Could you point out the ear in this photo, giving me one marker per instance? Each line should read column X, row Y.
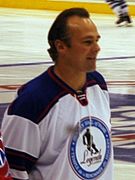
column 60, row 45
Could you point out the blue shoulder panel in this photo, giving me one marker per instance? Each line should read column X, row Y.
column 96, row 78
column 36, row 97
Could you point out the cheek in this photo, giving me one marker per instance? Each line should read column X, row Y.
column 82, row 51
column 79, row 52
column 86, row 49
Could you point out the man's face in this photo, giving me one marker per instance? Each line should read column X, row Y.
column 82, row 54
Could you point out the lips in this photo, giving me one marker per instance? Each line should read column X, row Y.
column 91, row 58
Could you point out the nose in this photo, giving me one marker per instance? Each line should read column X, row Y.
column 96, row 47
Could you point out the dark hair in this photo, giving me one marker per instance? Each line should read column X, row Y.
column 59, row 29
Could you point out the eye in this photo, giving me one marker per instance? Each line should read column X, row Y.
column 88, row 42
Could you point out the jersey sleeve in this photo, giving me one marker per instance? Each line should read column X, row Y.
column 22, row 141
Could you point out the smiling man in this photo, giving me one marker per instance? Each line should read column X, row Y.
column 44, row 127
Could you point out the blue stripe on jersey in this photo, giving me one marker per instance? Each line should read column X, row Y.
column 20, row 160
column 39, row 95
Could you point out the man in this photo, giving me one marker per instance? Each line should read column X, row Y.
column 120, row 8
column 43, row 128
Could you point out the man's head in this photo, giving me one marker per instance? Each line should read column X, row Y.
column 73, row 40
column 60, row 29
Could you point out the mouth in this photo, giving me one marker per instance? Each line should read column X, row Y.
column 91, row 58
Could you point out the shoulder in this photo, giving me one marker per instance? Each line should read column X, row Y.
column 36, row 98
column 96, row 77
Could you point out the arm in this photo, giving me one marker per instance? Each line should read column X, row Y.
column 20, row 135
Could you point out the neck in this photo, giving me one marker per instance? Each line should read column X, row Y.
column 75, row 80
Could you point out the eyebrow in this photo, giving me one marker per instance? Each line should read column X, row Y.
column 91, row 37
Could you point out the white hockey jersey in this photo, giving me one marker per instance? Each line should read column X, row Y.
column 52, row 132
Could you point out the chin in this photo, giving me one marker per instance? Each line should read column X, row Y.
column 91, row 69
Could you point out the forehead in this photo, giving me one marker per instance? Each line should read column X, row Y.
column 84, row 26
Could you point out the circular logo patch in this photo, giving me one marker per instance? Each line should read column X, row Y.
column 90, row 148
